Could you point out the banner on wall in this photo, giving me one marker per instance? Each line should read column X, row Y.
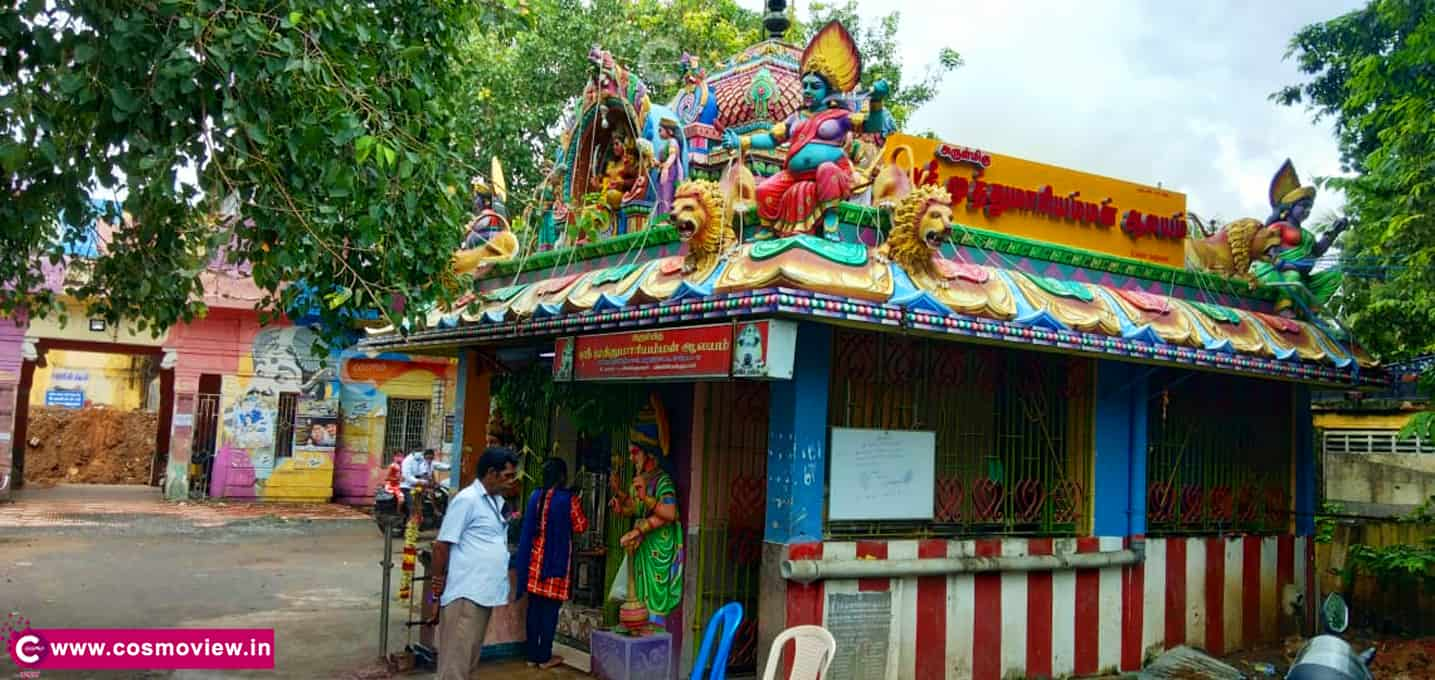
column 1049, row 203
column 763, row 349
column 316, row 432
column 384, row 370
column 65, row 398
column 749, row 349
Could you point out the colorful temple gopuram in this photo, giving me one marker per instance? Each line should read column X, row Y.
column 979, row 416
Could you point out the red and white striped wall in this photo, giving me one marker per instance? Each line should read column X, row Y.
column 1216, row 593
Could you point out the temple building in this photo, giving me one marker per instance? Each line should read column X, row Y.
column 978, row 416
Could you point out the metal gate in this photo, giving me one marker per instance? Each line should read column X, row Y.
column 201, row 457
column 1218, row 459
column 404, row 424
column 284, row 428
column 727, row 553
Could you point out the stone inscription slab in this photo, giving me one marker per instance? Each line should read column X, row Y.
column 862, row 625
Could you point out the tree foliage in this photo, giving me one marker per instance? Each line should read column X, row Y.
column 343, row 134
column 331, row 127
column 1372, row 73
column 530, row 78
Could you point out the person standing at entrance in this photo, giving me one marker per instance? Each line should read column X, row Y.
column 472, row 546
column 552, row 516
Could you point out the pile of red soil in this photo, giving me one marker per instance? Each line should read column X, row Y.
column 1397, row 659
column 93, row 445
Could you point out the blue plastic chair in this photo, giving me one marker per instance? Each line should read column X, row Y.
column 727, row 619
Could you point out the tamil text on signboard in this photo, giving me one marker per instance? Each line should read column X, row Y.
column 1048, row 203
column 758, row 349
column 65, row 398
column 693, row 352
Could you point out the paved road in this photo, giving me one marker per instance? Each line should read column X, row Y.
column 116, row 556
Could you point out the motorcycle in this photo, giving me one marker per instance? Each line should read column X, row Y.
column 1328, row 657
column 390, row 512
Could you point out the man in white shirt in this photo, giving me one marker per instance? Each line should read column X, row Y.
column 472, row 546
column 417, row 469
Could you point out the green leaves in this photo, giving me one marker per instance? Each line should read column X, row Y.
column 345, row 133
column 339, row 163
column 1368, row 73
column 363, row 146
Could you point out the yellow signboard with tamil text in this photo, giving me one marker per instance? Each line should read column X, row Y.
column 1048, row 203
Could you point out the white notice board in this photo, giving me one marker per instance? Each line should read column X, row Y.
column 881, row 474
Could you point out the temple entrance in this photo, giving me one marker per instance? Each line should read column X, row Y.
column 92, row 413
column 726, row 556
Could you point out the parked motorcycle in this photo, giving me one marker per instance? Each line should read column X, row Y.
column 1328, row 657
column 390, row 513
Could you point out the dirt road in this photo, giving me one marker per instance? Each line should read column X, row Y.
column 97, row 556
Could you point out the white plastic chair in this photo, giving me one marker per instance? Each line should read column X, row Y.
column 812, row 651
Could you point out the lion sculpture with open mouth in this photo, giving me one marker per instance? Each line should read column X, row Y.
column 921, row 225
column 701, row 218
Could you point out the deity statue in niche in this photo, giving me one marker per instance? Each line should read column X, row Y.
column 619, row 173
column 654, row 545
column 818, row 172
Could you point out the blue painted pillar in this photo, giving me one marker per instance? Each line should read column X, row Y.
column 797, row 441
column 455, row 454
column 1305, row 491
column 1119, row 470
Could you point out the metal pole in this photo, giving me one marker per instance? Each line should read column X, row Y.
column 388, row 565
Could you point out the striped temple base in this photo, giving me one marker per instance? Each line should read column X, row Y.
column 1216, row 593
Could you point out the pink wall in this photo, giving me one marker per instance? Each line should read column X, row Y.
column 11, row 338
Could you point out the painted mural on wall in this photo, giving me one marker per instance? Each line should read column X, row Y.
column 368, row 385
column 361, row 440
column 251, row 462
column 286, row 355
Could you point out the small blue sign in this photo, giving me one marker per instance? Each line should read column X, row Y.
column 65, row 398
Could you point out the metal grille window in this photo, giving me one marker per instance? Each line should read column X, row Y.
column 404, row 424
column 1219, row 453
column 1375, row 441
column 284, row 427
column 1014, row 432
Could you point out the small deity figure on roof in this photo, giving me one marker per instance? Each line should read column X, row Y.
column 488, row 238
column 1292, row 267
column 818, row 172
column 672, row 169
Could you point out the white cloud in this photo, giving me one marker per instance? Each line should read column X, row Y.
column 1170, row 93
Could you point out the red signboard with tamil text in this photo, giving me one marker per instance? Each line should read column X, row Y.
column 694, row 352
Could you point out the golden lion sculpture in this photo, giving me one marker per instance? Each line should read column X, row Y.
column 921, row 225
column 700, row 214
column 1232, row 249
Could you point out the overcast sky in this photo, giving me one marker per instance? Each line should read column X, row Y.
column 1148, row 91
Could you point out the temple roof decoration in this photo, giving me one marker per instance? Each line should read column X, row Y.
column 761, row 86
column 806, row 275
column 963, row 242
